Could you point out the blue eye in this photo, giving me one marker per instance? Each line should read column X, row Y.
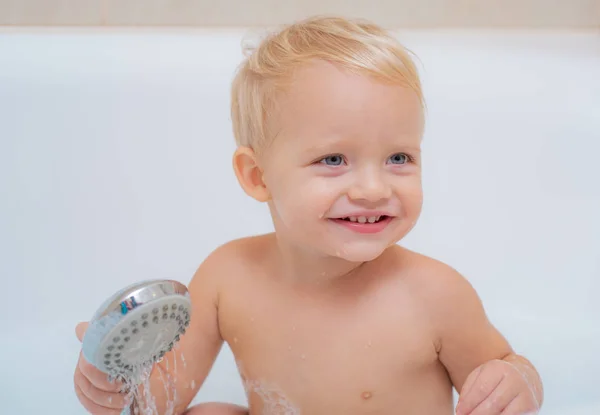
column 399, row 158
column 334, row 160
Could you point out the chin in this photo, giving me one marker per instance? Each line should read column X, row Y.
column 360, row 251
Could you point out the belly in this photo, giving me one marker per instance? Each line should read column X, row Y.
column 348, row 398
column 370, row 378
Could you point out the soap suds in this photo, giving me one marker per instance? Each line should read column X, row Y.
column 274, row 401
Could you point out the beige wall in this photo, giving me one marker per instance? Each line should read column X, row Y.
column 584, row 14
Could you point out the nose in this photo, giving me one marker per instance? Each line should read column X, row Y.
column 369, row 186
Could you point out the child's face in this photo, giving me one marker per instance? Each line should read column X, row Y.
column 348, row 151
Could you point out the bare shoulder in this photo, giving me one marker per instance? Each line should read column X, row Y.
column 230, row 258
column 449, row 298
column 465, row 338
column 436, row 280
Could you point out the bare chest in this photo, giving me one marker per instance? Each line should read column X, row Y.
column 366, row 355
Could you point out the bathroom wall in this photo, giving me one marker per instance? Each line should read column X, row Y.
column 115, row 149
column 572, row 14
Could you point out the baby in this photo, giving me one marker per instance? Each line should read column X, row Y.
column 328, row 315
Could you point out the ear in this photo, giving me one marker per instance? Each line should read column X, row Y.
column 249, row 174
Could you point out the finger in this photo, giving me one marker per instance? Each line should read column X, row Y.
column 498, row 400
column 519, row 406
column 110, row 400
column 80, row 330
column 485, row 383
column 471, row 379
column 98, row 378
column 464, row 392
column 92, row 407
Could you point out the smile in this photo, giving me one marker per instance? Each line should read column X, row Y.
column 364, row 219
column 364, row 224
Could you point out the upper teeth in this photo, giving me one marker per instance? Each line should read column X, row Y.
column 364, row 219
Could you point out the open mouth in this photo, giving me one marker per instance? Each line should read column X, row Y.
column 364, row 224
column 365, row 219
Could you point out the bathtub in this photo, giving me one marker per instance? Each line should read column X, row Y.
column 38, row 363
column 113, row 143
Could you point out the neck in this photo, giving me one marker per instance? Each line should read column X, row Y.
column 311, row 269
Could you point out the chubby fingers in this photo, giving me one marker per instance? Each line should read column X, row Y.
column 80, row 330
column 520, row 406
column 109, row 400
column 497, row 401
column 92, row 407
column 478, row 387
column 96, row 377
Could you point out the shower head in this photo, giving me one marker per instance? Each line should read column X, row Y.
column 136, row 326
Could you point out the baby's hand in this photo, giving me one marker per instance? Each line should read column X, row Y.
column 497, row 388
column 97, row 395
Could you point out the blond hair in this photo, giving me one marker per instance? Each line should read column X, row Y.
column 355, row 45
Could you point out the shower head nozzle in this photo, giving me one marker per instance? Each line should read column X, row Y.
column 136, row 326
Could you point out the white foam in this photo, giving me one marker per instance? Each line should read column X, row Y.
column 274, row 401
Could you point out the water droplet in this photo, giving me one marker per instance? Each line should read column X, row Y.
column 366, row 395
column 303, row 356
column 193, row 383
column 235, row 339
column 289, row 347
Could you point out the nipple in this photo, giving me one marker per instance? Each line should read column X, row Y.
column 366, row 395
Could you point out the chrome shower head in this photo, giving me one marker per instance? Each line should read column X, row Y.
column 136, row 326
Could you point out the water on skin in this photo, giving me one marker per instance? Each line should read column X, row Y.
column 183, row 361
column 274, row 401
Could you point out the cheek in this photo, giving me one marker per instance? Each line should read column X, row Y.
column 302, row 200
column 411, row 197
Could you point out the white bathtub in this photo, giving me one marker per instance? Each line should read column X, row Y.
column 38, row 367
column 114, row 146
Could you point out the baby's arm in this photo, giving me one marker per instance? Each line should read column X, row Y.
column 476, row 356
column 200, row 345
